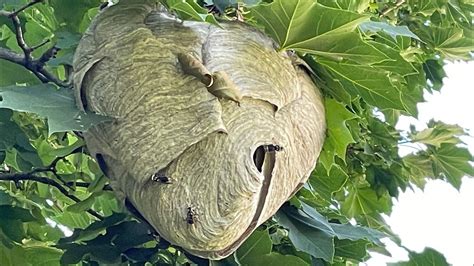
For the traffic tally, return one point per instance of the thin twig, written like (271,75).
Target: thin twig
(16,177)
(85,184)
(37,67)
(12,56)
(52,166)
(33,2)
(53,163)
(20,40)
(390,9)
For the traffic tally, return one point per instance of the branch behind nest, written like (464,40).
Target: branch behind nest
(36,66)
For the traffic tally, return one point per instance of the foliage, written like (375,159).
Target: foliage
(57,106)
(372,59)
(429,256)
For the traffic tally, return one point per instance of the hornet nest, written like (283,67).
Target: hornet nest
(214,128)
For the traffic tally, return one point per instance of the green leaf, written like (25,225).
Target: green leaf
(44,232)
(83,205)
(257,245)
(73,254)
(277,260)
(11,255)
(356,250)
(13,229)
(142,254)
(11,4)
(98,184)
(348,46)
(354,233)
(72,220)
(460,12)
(426,7)
(107,203)
(94,229)
(129,234)
(305,238)
(396,64)
(326,184)
(43,15)
(8,212)
(9,130)
(377,222)
(5,198)
(326,82)
(223,4)
(50,152)
(46,101)
(356,6)
(428,257)
(419,167)
(66,39)
(190,10)
(438,133)
(106,254)
(453,43)
(434,73)
(70,13)
(364,201)
(310,217)
(338,135)
(377,87)
(3,155)
(43,256)
(383,135)
(452,163)
(308,27)
(64,57)
(13,73)
(393,31)
(387,178)
(37,33)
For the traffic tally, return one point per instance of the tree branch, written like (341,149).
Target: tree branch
(20,39)
(16,177)
(31,176)
(36,66)
(85,184)
(52,166)
(12,56)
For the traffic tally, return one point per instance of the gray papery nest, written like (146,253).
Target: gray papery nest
(214,128)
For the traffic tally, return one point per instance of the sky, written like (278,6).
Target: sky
(439,217)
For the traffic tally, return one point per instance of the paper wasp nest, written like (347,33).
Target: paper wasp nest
(204,171)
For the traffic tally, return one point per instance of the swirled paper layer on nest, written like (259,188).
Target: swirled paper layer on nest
(222,180)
